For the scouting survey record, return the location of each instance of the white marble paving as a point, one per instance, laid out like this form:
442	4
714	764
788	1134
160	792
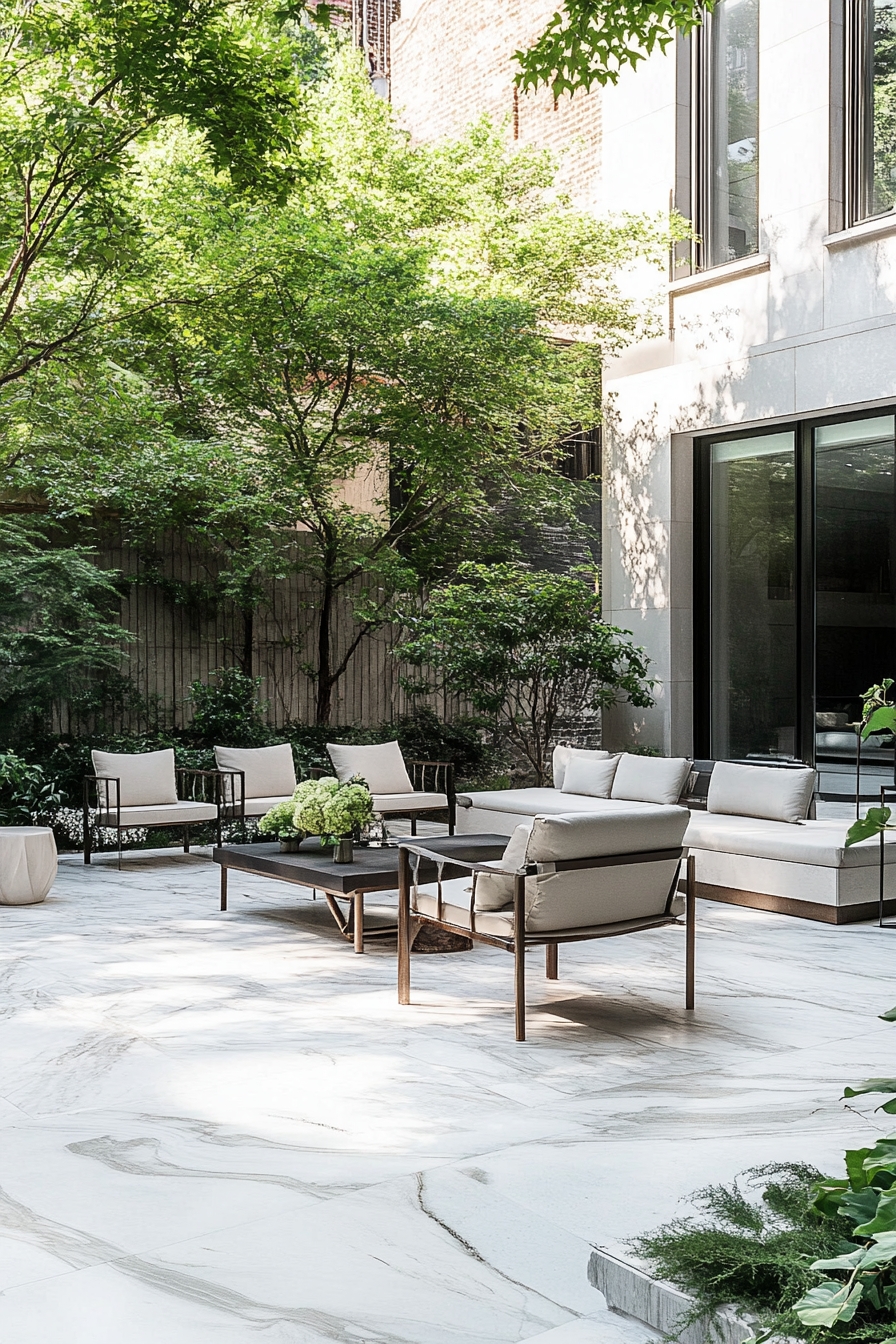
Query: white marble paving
223	1127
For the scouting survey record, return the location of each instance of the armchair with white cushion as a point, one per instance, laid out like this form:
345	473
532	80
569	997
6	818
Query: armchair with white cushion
142	791
395	794
562	879
255	779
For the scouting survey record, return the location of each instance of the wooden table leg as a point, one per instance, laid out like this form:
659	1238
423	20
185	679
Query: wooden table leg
358	912
550	961
223	887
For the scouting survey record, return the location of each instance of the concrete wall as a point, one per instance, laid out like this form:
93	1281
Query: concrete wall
807	326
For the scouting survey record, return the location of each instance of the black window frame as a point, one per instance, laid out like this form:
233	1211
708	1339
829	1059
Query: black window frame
858	119
805	523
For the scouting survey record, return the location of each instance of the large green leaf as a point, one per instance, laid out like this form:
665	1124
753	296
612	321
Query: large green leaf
884	1219
874	821
827	1196
889	1015
854	1160
883	720
828	1303
871	1085
860	1206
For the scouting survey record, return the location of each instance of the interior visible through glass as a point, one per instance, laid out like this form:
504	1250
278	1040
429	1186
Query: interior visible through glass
733	225
855	636
753	636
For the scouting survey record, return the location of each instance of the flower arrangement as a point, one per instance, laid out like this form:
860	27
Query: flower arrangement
331	809
280	821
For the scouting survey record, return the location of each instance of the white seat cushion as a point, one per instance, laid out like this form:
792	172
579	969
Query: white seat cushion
563	755
408	802
162	814
381	767
650	779
456	911
547	802
146	779
270	771
822	843
256	807
760	791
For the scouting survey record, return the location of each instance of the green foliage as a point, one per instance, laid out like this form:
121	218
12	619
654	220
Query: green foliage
227	711
768	1257
27	793
878	716
57	625
591	41
523	647
280	821
84	86
329	809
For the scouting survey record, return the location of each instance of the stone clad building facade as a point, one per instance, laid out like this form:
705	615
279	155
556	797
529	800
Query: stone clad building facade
749	524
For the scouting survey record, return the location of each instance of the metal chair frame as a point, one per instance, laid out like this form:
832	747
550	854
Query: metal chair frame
101	785
520	939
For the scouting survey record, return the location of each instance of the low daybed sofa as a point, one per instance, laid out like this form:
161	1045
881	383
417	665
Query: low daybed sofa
755	843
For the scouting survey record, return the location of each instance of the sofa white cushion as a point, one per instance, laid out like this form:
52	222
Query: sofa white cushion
546	802
820	843
456	911
593	778
650	779
563	755
270	771
256	807
760	791
146	779
381	766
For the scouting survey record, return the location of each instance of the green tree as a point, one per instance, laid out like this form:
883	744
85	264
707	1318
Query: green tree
592	41
524	648
58	625
83	85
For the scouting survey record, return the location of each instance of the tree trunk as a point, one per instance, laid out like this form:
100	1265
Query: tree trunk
247	658
325	656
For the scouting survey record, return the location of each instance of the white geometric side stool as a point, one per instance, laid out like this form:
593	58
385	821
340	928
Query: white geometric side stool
27	864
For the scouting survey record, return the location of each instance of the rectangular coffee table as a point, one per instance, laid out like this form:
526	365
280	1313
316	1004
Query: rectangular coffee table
371	870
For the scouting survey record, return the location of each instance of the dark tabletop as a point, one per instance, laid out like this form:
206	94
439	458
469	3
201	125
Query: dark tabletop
371	869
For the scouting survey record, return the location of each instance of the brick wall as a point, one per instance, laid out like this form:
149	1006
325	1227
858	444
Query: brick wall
452	61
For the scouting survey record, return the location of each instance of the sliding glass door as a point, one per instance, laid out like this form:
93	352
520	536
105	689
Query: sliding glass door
752	565
795	550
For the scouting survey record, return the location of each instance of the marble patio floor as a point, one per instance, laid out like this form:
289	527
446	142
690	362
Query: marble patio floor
222	1127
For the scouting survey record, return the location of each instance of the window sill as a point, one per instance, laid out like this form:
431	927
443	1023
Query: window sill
720	275
881	227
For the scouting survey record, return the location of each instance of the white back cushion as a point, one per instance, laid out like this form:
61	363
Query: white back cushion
381	766
146	779
760	791
563	755
594	778
270	771
650	779
578	835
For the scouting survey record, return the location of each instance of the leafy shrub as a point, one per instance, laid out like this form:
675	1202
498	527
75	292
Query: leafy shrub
227	711
778	1257
27	792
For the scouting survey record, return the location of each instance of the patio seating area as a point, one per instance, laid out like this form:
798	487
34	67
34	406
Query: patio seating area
217	1125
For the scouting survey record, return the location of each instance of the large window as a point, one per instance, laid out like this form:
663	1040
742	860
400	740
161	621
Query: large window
727	132
871	110
795	549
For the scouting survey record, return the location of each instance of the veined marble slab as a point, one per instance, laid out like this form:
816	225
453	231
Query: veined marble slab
223	1127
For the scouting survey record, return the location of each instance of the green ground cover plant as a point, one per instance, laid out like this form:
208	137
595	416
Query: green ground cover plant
808	1256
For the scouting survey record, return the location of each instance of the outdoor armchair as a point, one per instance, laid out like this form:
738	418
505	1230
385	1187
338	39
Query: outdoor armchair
429	788
255	779
144	791
562	879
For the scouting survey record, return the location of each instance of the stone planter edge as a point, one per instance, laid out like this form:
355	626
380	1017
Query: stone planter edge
632	1292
